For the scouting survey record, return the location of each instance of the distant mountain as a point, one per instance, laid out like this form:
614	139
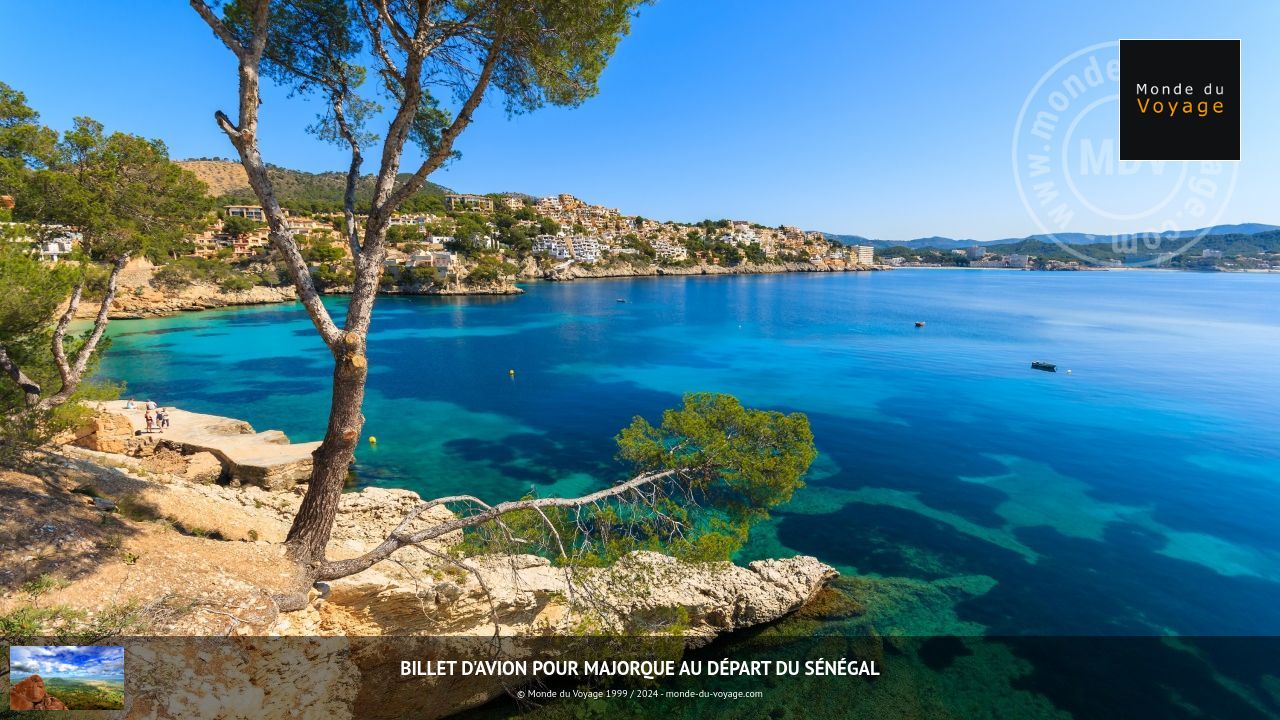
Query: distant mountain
315	192
941	243
946	243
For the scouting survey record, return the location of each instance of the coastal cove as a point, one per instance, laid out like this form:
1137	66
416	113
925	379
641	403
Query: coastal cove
997	499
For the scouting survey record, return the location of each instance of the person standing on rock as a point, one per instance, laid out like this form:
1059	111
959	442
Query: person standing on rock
162	419
147	416
151	406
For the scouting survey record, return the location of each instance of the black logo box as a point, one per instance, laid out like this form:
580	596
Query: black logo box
1187	68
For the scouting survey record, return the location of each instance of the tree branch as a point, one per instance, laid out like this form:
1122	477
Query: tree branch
373	23
60	332
353	174
450	134
244	138
219	28
73	373
30	388
397	539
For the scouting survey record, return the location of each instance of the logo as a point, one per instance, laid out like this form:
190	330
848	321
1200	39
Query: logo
1071	176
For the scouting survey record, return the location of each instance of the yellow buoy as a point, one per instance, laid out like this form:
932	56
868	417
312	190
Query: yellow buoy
373	440
511	372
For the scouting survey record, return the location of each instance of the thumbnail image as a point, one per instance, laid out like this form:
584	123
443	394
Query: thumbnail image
63	677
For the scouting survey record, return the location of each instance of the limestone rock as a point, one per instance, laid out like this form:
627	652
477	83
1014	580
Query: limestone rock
138	299
203	467
267	459
107	432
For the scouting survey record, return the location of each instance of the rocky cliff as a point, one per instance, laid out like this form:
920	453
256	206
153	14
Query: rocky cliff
198	559
137	298
29	694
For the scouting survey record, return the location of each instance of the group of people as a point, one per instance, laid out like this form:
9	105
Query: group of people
157	417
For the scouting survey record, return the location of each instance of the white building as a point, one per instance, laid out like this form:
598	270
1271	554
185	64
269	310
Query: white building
57	248
670	251
584	248
440	262
863	254
1017	261
551	245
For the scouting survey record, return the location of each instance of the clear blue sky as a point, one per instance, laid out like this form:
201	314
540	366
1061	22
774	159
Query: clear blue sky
887	119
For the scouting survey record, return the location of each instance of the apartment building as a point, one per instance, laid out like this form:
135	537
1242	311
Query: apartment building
459	203
584	248
248	212
551	245
668	250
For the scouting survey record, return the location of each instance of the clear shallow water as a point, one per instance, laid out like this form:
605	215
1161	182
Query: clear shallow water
1136	495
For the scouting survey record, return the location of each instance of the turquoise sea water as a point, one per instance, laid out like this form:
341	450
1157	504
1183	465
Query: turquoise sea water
1138	494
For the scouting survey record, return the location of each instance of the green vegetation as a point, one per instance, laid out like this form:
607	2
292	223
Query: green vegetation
43	584
79	694
932	256
234	226
30	293
124	198
727	467
305	192
490	269
66	624
182	272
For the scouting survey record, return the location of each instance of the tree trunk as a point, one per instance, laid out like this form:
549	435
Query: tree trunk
313	524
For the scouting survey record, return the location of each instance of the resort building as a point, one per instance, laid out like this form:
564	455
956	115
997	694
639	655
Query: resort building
1017	261
584	248
551	245
459	203
975	253
863	254
249	212
670	251
308	225
435	259
250	243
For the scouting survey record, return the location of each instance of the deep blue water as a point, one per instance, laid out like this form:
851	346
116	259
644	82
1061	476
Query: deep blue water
1138	494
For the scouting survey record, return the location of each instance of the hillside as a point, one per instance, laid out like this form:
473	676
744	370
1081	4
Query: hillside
298	190
1231	244
221	176
946	243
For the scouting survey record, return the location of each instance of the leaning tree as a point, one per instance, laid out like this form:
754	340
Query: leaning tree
423	56
121	195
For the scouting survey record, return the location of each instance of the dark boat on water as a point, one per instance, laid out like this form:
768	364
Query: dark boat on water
1042	365
919	323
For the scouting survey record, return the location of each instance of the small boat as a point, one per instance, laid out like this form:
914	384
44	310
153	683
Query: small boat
621	300
919	323
1045	366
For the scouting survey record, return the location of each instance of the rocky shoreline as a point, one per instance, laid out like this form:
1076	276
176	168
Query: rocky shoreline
151	521
144	301
138	299
576	271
